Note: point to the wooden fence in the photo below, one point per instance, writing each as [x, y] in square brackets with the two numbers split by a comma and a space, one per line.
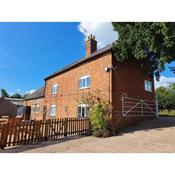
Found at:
[26, 132]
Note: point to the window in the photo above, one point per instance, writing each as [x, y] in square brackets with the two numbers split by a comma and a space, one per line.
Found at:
[35, 108]
[83, 110]
[53, 110]
[148, 86]
[84, 82]
[54, 89]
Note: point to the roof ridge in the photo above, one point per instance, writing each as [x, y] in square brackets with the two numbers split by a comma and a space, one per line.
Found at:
[36, 94]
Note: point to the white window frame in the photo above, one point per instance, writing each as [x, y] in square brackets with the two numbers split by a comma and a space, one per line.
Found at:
[84, 80]
[86, 107]
[53, 113]
[54, 89]
[148, 86]
[35, 108]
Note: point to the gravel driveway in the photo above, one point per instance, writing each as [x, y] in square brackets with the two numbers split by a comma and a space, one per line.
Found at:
[157, 135]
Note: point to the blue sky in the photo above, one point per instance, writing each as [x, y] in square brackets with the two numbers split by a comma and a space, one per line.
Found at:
[29, 52]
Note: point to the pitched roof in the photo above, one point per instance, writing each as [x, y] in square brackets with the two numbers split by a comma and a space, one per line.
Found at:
[37, 94]
[108, 47]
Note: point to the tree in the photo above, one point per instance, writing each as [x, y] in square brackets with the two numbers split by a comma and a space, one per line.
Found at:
[166, 97]
[4, 93]
[172, 86]
[16, 95]
[152, 43]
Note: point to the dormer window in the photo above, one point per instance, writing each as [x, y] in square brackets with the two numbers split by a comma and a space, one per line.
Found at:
[84, 82]
[54, 89]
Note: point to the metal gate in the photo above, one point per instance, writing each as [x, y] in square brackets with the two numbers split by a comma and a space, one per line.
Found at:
[138, 107]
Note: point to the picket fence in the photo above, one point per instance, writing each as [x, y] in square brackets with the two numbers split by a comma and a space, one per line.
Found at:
[25, 132]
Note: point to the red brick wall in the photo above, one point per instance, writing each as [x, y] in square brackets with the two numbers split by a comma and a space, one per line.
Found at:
[38, 115]
[69, 93]
[128, 78]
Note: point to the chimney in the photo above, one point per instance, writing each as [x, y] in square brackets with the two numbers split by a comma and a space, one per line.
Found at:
[91, 45]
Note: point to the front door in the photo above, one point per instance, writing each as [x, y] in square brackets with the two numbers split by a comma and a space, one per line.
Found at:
[27, 113]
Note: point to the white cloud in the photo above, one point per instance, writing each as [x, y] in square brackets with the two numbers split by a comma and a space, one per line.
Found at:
[164, 81]
[103, 32]
[30, 92]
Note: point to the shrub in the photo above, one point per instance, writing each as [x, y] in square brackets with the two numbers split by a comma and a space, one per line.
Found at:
[100, 116]
[101, 133]
[100, 113]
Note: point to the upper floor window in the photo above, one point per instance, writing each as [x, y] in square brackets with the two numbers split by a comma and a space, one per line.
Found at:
[84, 82]
[53, 110]
[83, 110]
[148, 85]
[54, 89]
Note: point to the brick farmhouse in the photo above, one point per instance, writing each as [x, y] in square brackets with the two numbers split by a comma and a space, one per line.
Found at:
[130, 92]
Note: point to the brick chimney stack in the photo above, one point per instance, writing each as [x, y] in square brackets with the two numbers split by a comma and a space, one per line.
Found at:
[91, 45]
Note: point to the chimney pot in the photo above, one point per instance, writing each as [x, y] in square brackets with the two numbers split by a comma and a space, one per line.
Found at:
[91, 45]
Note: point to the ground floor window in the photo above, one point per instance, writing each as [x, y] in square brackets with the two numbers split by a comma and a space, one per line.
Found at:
[83, 110]
[53, 110]
[35, 108]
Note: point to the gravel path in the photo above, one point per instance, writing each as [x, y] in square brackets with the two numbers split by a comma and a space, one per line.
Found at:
[152, 136]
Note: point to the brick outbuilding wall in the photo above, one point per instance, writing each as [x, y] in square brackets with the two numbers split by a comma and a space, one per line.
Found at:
[36, 115]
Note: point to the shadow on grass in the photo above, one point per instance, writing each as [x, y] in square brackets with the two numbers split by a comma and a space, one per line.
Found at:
[27, 147]
[157, 123]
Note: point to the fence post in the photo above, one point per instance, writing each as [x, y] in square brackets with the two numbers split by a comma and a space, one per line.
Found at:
[142, 107]
[90, 126]
[46, 130]
[65, 127]
[33, 131]
[4, 136]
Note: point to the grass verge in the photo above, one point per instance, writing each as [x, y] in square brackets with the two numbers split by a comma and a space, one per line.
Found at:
[166, 113]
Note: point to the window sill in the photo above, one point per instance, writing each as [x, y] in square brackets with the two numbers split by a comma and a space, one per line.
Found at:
[149, 91]
[84, 88]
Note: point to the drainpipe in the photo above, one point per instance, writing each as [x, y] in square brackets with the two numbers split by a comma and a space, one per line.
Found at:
[109, 70]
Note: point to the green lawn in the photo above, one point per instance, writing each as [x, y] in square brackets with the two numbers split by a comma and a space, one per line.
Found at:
[167, 113]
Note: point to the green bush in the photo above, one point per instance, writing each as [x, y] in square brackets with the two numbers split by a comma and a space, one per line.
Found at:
[99, 116]
[100, 113]
[101, 133]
